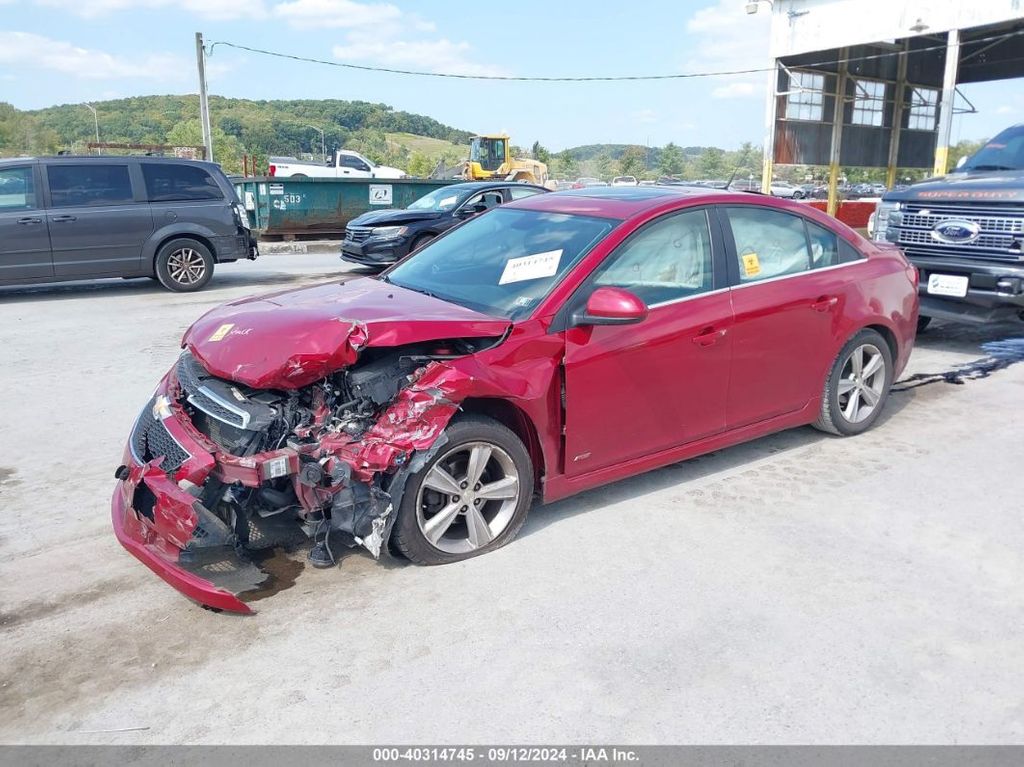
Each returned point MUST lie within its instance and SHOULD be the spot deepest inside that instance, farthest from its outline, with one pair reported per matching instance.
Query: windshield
(438, 200)
(489, 152)
(502, 263)
(1004, 152)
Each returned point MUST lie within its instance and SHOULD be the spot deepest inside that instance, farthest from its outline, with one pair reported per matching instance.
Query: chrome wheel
(861, 383)
(186, 266)
(468, 497)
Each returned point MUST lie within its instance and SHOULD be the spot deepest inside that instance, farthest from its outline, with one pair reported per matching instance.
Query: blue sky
(60, 51)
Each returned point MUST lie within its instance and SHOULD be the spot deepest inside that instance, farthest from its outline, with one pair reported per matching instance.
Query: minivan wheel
(471, 497)
(184, 265)
(857, 386)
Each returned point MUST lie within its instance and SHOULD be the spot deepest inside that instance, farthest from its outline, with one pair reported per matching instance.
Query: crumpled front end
(216, 471)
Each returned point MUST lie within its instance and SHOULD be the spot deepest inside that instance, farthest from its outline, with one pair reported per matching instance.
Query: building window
(805, 97)
(924, 104)
(868, 102)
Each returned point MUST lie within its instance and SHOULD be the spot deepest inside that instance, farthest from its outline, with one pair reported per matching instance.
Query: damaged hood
(391, 216)
(290, 339)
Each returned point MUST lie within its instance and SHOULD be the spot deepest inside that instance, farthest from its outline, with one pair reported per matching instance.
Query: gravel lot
(800, 588)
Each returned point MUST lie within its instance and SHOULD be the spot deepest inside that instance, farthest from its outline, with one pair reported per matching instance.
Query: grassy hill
(426, 144)
(240, 126)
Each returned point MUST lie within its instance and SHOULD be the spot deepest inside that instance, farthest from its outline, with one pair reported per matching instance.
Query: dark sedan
(381, 237)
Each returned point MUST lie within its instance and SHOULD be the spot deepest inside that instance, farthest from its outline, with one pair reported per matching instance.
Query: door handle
(709, 336)
(63, 219)
(30, 220)
(825, 303)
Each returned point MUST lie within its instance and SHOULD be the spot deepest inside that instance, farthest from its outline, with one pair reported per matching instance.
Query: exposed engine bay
(326, 461)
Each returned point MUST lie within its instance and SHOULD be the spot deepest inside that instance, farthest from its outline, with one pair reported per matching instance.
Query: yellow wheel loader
(490, 159)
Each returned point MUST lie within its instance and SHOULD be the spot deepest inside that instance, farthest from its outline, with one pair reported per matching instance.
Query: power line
(610, 78)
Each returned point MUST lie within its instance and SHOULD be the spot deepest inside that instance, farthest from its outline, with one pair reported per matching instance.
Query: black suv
(381, 237)
(965, 233)
(73, 218)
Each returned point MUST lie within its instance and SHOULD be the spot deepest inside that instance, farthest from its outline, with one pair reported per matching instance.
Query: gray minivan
(73, 218)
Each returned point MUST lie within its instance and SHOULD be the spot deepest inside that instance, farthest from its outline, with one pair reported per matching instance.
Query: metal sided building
(872, 83)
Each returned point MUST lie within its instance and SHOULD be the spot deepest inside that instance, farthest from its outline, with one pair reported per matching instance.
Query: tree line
(240, 127)
(260, 129)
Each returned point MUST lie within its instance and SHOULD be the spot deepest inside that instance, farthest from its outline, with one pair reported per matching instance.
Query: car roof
(478, 186)
(625, 202)
(78, 159)
(615, 201)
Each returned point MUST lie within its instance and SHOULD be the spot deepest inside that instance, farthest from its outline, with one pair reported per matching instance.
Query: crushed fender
(218, 471)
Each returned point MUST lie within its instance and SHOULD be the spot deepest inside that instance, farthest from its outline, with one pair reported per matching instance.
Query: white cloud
(30, 51)
(735, 90)
(428, 55)
(644, 116)
(207, 9)
(726, 38)
(320, 14)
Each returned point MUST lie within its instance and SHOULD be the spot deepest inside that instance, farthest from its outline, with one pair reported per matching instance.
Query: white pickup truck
(343, 163)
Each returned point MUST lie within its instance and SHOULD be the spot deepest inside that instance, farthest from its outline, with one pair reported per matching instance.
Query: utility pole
(96, 121)
(323, 144)
(204, 102)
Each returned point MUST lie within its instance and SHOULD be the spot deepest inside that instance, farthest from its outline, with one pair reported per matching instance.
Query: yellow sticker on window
(751, 266)
(222, 331)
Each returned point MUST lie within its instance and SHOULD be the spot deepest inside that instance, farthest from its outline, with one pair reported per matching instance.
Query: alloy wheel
(186, 266)
(468, 497)
(861, 383)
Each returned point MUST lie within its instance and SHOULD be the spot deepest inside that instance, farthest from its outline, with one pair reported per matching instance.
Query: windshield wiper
(414, 290)
(991, 167)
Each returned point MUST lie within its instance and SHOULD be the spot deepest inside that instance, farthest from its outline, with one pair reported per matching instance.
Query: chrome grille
(150, 439)
(1002, 230)
(924, 237)
(357, 233)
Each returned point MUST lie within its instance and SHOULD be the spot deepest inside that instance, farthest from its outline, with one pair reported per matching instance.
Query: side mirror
(611, 306)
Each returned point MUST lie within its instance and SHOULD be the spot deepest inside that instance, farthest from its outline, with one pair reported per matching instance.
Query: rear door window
(89, 184)
(520, 192)
(166, 182)
(824, 246)
(769, 243)
(17, 189)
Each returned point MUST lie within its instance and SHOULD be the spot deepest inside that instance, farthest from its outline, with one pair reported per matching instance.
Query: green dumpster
(291, 206)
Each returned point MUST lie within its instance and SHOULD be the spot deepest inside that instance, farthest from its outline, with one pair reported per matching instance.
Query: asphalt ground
(800, 588)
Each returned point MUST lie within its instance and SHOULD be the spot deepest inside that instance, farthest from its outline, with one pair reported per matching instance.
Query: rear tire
(442, 518)
(184, 265)
(857, 386)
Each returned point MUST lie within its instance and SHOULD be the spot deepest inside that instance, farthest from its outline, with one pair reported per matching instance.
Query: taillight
(272, 171)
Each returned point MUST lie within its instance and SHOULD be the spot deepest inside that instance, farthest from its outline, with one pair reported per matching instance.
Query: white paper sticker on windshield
(531, 267)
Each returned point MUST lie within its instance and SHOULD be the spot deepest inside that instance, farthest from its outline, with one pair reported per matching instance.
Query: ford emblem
(955, 231)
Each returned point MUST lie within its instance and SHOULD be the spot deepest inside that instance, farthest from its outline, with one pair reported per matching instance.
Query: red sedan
(549, 346)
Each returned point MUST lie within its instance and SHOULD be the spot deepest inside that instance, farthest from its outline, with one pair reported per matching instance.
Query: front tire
(420, 241)
(470, 498)
(857, 386)
(184, 265)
